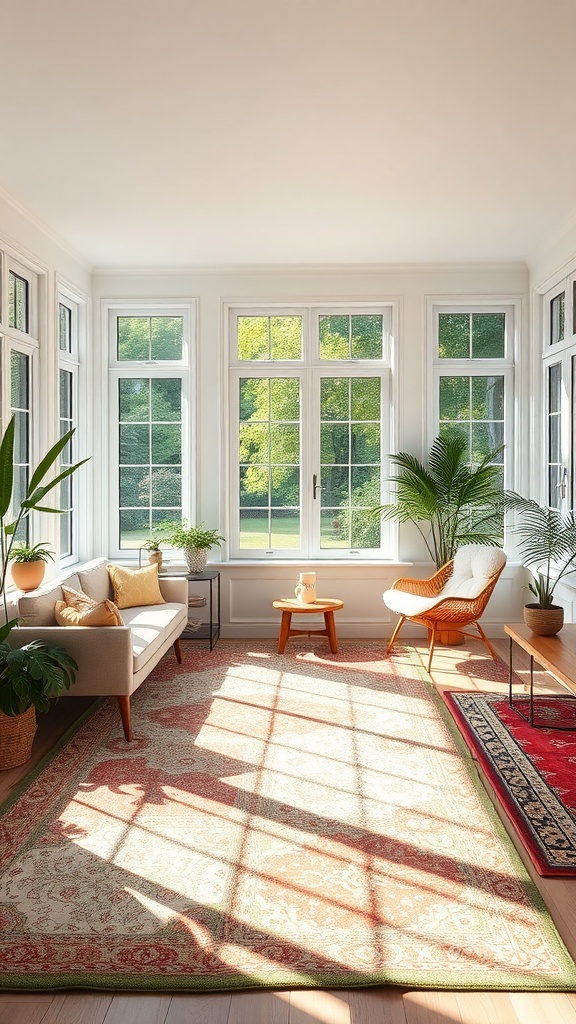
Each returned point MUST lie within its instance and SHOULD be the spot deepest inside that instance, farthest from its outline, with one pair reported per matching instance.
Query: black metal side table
(209, 630)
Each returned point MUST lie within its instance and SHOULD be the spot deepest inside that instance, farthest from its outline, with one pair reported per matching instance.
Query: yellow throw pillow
(135, 587)
(105, 613)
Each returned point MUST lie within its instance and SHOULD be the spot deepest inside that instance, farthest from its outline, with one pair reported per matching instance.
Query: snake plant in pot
(547, 545)
(32, 674)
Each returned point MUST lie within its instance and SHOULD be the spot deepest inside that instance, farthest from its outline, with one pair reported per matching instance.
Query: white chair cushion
(474, 565)
(408, 604)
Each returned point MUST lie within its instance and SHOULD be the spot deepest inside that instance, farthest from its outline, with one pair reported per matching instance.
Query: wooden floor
(362, 1006)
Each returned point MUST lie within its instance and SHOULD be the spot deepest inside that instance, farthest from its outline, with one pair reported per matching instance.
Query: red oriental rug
(296, 820)
(533, 770)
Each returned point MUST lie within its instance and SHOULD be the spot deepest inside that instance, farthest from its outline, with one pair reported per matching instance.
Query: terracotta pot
(447, 635)
(16, 738)
(28, 575)
(544, 621)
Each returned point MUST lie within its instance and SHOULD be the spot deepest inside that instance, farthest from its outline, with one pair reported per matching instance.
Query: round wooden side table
(326, 607)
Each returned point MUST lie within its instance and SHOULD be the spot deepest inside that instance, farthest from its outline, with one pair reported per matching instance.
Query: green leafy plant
(546, 543)
(30, 674)
(450, 502)
(181, 535)
(25, 553)
(152, 544)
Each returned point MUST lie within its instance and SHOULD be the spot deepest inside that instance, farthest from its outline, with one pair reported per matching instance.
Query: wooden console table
(555, 654)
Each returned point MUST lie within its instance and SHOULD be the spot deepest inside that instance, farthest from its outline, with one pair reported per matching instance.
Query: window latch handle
(564, 483)
(315, 486)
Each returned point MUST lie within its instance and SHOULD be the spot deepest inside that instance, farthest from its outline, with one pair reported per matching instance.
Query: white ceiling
(224, 132)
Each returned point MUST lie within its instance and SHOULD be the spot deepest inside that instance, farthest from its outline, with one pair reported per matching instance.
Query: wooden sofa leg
(178, 651)
(124, 703)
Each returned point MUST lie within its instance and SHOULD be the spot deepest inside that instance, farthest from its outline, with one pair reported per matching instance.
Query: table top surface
(557, 654)
(321, 604)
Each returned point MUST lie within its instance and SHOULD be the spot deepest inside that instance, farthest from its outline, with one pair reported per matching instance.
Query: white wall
(249, 588)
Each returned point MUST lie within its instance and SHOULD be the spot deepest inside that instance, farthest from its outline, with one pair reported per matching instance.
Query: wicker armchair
(454, 597)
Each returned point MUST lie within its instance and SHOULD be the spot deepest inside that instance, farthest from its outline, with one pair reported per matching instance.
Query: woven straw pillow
(134, 588)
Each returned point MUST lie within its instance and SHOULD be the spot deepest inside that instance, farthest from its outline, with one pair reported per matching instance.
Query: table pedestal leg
(331, 631)
(284, 631)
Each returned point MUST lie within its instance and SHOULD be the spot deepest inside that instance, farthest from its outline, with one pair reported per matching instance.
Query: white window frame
(470, 367)
(563, 353)
(310, 369)
(73, 361)
(182, 369)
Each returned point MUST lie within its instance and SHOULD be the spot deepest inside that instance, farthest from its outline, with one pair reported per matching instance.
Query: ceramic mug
(305, 590)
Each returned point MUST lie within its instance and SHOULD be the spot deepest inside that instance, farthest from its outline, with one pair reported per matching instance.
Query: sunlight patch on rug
(294, 820)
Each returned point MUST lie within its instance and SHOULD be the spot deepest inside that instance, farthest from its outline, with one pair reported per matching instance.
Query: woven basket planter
(544, 621)
(196, 558)
(16, 738)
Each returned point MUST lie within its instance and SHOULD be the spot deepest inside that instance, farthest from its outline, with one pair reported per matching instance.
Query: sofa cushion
(149, 626)
(36, 608)
(95, 581)
(105, 613)
(135, 588)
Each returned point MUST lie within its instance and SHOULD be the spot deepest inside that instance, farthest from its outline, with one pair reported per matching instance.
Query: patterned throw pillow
(103, 613)
(135, 587)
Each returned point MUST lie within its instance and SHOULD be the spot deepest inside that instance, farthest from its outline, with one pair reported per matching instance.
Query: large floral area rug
(297, 820)
(533, 770)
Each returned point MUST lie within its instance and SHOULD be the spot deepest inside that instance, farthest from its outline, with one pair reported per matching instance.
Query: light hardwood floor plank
(199, 1009)
(316, 1006)
(486, 1008)
(259, 1008)
(23, 1009)
(376, 1006)
(543, 1007)
(78, 1008)
(138, 1008)
(433, 1008)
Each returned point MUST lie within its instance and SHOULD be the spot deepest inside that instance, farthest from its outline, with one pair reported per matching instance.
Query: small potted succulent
(152, 546)
(28, 564)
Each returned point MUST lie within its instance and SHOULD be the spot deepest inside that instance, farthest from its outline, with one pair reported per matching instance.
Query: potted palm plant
(450, 502)
(28, 564)
(32, 674)
(547, 545)
(195, 542)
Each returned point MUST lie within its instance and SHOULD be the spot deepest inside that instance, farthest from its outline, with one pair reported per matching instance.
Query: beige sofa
(112, 660)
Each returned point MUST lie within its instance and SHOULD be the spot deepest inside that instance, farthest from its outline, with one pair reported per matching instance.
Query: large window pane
(66, 487)
(471, 335)
(150, 455)
(149, 338)
(269, 463)
(475, 407)
(350, 410)
(18, 302)
(557, 312)
(351, 336)
(64, 328)
(20, 409)
(555, 468)
(488, 335)
(269, 337)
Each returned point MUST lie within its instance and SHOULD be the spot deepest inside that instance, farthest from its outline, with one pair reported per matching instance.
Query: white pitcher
(306, 589)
